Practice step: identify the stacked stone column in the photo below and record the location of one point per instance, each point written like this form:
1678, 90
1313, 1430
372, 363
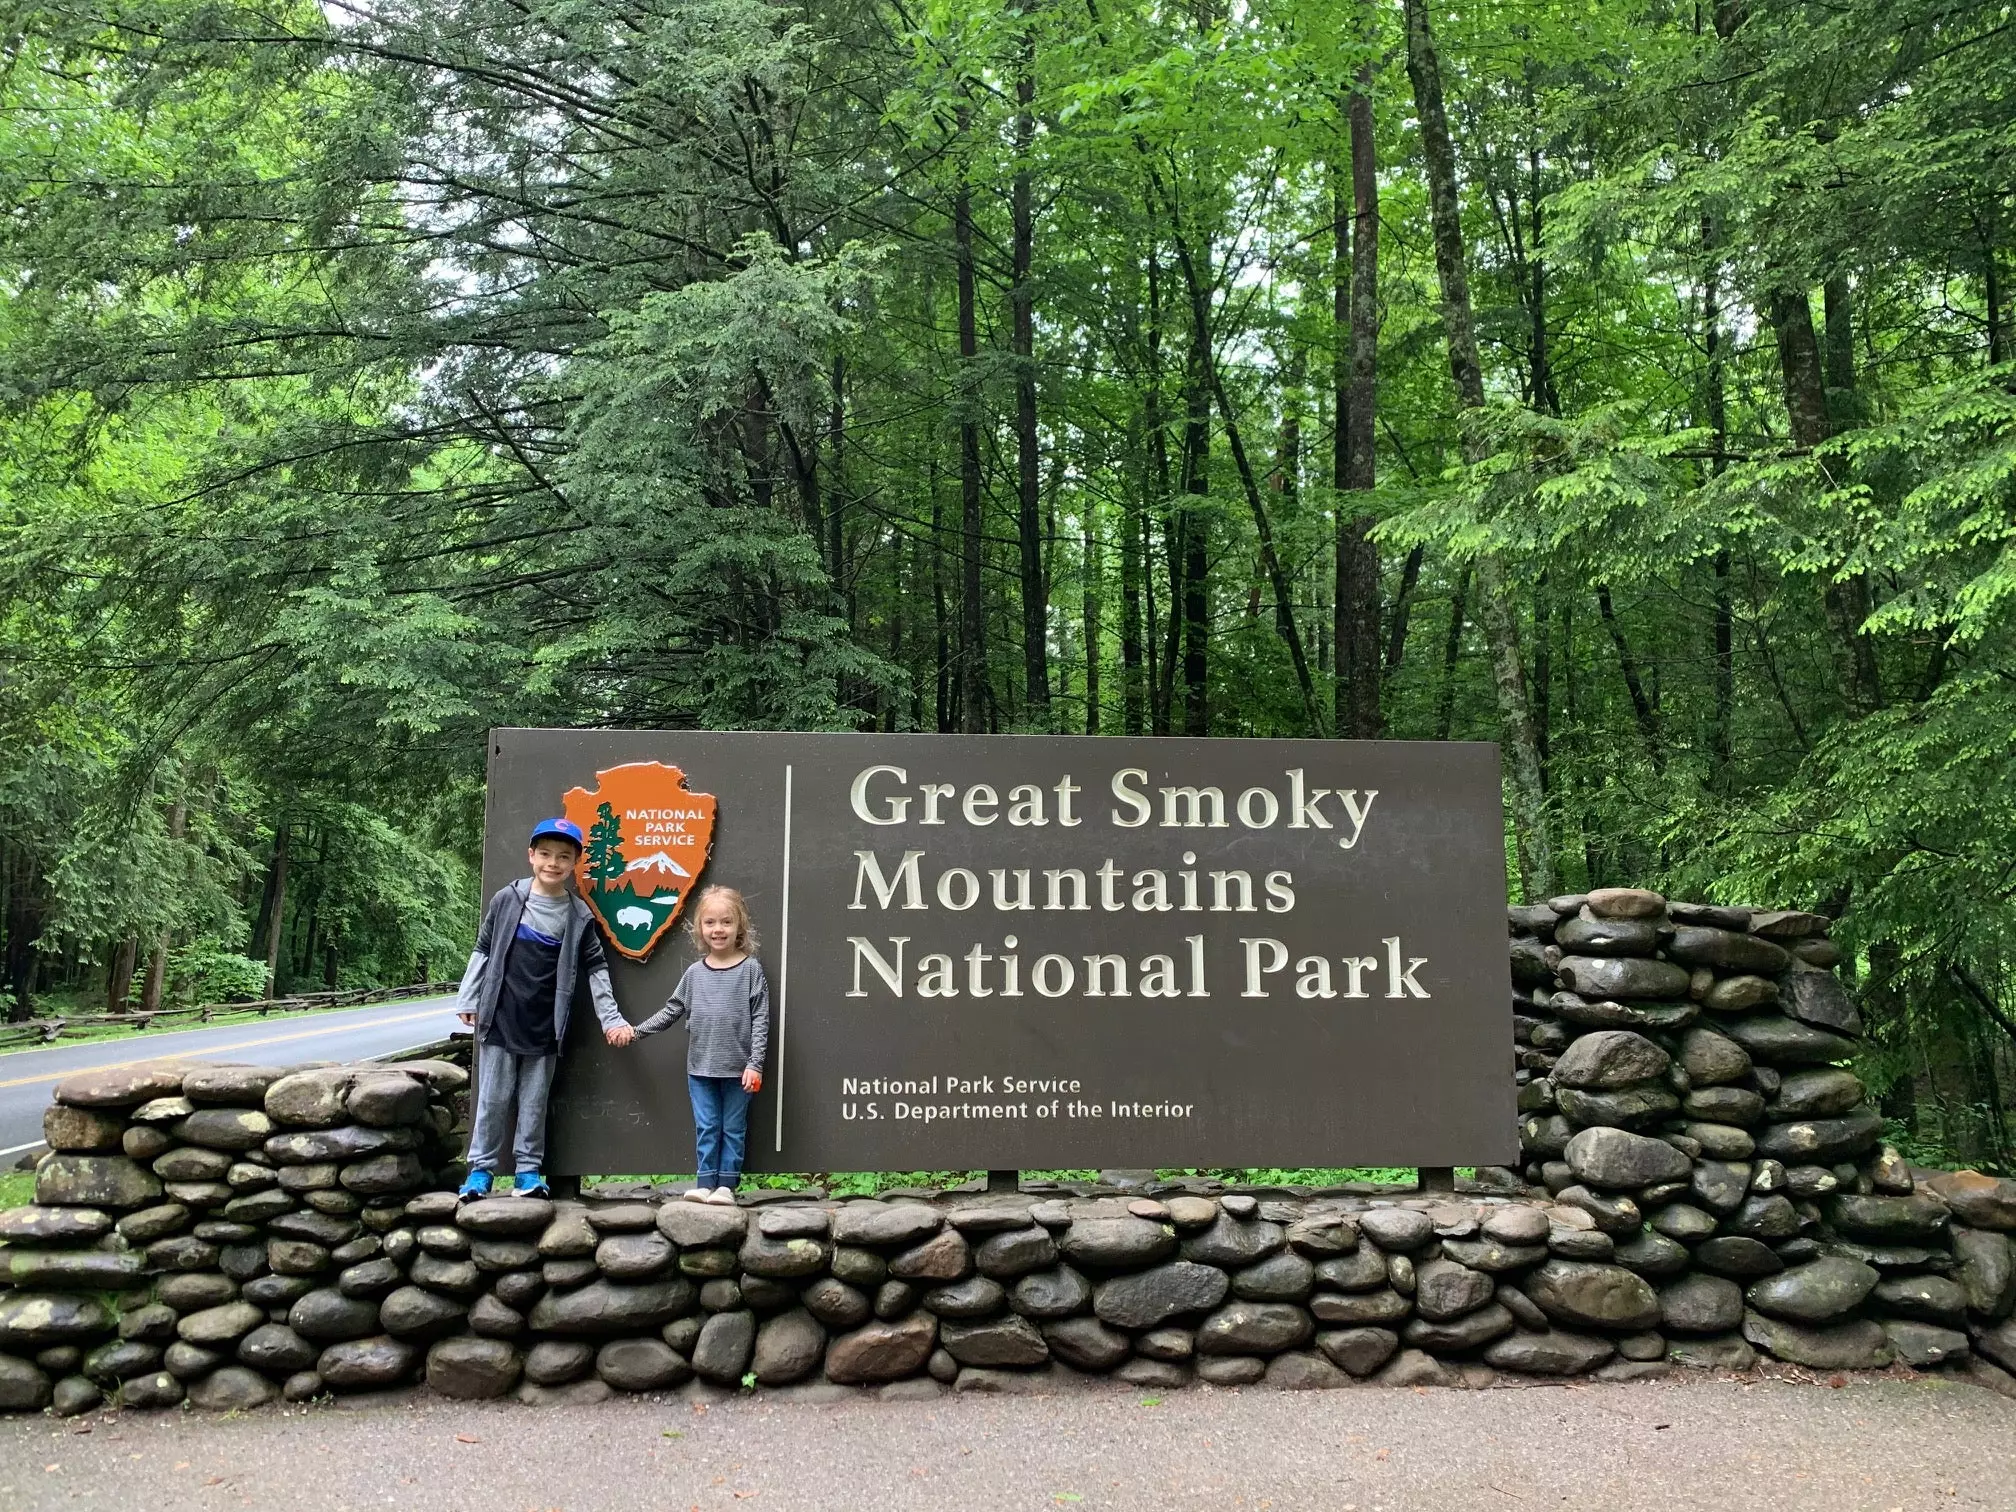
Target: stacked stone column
1681, 1084
218, 1233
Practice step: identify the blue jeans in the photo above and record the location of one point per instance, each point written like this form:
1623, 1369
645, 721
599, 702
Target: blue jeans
720, 1128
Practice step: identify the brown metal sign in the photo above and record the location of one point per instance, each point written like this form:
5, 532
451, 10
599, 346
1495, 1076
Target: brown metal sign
992, 952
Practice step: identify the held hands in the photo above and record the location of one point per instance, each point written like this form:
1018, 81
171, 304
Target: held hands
620, 1036
752, 1080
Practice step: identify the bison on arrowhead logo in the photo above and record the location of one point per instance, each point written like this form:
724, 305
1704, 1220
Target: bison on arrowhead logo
648, 841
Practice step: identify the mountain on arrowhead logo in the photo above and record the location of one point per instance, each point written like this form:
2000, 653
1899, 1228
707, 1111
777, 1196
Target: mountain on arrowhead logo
648, 842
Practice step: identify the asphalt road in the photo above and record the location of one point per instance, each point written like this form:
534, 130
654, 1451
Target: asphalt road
28, 1076
1729, 1446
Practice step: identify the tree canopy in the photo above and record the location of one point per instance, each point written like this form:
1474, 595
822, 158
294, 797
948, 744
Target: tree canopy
1628, 383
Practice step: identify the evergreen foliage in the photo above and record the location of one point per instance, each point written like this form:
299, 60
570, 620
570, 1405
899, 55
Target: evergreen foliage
374, 375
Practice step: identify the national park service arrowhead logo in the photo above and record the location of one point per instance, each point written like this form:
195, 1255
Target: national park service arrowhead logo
648, 840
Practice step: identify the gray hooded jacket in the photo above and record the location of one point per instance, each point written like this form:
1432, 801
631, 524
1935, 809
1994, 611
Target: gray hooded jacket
580, 956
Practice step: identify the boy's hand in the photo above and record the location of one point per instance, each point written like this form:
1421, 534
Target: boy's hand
752, 1080
468, 1019
620, 1037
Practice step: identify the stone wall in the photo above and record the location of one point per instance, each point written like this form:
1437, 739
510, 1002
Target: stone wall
1704, 1186
208, 1232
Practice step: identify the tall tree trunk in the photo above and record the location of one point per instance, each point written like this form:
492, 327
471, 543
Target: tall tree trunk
1641, 706
900, 564
1158, 654
941, 618
1188, 538
24, 915
304, 964
1495, 610
1803, 373
1720, 741
1799, 369
1089, 570
1403, 609
1053, 537
276, 906
836, 487
119, 979
1270, 559
1161, 651
1998, 326
1028, 463
1987, 219
1722, 719
1543, 676
834, 547
1206, 377
1452, 651
156, 981
1357, 306
1886, 1013
1540, 362
1176, 555
1837, 306
972, 601
1195, 532
1286, 482
1132, 689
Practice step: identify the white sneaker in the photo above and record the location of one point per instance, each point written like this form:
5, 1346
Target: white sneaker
697, 1194
721, 1197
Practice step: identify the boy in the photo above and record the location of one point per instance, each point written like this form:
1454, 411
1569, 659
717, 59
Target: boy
536, 941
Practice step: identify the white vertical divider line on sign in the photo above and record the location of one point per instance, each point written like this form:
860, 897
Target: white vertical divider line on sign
783, 957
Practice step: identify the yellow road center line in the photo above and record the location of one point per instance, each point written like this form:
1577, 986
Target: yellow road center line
211, 1050
290, 1016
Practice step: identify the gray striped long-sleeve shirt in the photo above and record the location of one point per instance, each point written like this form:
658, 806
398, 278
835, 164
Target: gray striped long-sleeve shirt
730, 1012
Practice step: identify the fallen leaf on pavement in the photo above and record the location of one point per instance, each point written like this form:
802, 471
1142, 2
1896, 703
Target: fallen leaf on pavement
467, 1438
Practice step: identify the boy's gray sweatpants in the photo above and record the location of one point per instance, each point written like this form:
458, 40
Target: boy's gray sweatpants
504, 1083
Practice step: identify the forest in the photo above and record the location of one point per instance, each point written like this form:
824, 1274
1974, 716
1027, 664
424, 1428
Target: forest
1626, 382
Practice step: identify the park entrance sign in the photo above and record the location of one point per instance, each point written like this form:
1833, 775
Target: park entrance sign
1046, 951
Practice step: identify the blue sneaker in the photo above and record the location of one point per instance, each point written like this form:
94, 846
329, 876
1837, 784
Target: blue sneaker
531, 1184
476, 1184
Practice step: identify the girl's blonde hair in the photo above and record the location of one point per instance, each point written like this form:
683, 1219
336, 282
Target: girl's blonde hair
745, 932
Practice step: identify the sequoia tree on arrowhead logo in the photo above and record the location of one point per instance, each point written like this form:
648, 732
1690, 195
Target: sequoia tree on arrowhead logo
648, 842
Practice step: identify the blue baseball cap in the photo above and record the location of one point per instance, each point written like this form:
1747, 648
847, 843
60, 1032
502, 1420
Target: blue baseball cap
560, 829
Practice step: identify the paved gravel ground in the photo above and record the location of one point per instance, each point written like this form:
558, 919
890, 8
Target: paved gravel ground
1726, 1445
27, 1076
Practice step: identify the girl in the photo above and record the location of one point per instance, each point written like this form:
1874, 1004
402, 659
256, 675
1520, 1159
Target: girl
728, 997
